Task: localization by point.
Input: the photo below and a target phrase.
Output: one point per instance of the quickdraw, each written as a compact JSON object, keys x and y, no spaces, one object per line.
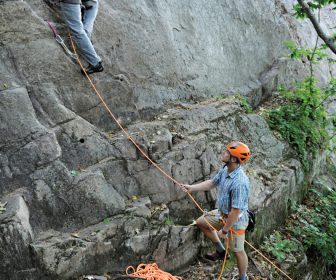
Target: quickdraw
{"x":60,"y":40}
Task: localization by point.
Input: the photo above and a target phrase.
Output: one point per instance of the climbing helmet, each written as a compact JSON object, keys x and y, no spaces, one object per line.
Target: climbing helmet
{"x":239,"y":150}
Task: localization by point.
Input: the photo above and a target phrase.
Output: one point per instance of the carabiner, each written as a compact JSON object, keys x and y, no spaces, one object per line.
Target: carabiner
{"x":59,"y":39}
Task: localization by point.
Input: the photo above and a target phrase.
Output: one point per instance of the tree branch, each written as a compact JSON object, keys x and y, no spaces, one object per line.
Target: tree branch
{"x":328,"y":40}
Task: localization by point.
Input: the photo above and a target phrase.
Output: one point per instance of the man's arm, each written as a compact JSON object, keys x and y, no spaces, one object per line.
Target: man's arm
{"x":232,"y":218}
{"x":204,"y":186}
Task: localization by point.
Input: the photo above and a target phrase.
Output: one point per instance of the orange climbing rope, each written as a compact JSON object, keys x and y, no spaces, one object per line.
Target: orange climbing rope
{"x":124,"y":130}
{"x":150,"y":272}
{"x":164,"y":173}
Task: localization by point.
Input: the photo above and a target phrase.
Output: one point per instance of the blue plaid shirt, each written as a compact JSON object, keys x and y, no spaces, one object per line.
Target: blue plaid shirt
{"x":236,"y":183}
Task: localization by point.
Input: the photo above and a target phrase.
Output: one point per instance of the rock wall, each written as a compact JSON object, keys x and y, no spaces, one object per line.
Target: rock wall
{"x":80,"y":198}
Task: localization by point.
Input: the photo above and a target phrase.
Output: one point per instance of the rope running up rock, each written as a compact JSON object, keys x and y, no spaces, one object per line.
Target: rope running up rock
{"x":164,"y":173}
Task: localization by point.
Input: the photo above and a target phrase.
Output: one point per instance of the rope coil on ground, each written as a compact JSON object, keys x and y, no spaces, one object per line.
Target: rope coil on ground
{"x":150,"y":272}
{"x":128,"y":136}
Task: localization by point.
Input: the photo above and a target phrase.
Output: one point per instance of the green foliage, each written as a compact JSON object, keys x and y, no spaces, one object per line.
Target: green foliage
{"x":315,"y":226}
{"x":313,"y":5}
{"x":299,"y":12}
{"x":245,"y":104}
{"x":302,"y":121}
{"x":311,"y":228}
{"x":279,"y":247}
{"x":168,"y":221}
{"x":314,"y":55}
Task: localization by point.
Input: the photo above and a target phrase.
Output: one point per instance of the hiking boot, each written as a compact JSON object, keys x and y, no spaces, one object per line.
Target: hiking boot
{"x":215,"y":256}
{"x":243,"y":277}
{"x":93,"y":69}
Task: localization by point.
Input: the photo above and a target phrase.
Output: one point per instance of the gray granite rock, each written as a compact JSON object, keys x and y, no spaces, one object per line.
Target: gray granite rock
{"x":70,"y":176}
{"x":16,"y":236}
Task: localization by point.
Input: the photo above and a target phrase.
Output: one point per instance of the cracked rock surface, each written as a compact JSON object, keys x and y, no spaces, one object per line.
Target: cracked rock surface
{"x":76,"y":196}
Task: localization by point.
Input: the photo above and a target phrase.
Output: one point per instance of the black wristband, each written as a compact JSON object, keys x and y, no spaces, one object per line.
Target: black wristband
{"x":224,"y":232}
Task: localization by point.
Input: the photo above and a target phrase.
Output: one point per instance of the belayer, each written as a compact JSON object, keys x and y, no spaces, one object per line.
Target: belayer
{"x":80,"y":22}
{"x":233,"y":191}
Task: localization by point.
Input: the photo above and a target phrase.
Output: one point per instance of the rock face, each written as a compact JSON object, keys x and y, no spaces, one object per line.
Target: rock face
{"x":16,"y":236}
{"x":80,"y":197}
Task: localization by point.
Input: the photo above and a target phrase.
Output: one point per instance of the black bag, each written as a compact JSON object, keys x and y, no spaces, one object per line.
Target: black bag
{"x":252,"y":221}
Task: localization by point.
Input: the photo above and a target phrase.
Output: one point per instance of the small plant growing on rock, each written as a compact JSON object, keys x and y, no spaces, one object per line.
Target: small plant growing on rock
{"x":245,"y":104}
{"x":169,"y":221}
{"x":279,"y":246}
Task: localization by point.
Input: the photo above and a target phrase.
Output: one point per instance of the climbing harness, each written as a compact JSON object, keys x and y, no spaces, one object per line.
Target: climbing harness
{"x":150,"y":272}
{"x":60,"y":40}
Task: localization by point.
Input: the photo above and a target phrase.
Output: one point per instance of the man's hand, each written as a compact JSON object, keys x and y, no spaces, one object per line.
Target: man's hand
{"x":186,"y":188}
{"x":222,"y":234}
{"x":203,"y":186}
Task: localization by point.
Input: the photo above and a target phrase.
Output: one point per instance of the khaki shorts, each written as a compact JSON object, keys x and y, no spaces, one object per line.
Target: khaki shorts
{"x":236,"y":241}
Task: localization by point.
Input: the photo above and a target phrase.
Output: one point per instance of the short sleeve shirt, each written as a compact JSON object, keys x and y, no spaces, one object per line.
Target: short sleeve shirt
{"x":237,"y":184}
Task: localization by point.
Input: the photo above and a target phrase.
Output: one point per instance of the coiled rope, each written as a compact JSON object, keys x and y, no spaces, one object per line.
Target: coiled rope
{"x":150,"y":272}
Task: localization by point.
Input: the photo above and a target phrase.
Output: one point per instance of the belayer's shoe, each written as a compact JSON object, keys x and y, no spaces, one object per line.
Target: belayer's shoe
{"x":93,"y":69}
{"x":243,"y":277}
{"x":215,"y":256}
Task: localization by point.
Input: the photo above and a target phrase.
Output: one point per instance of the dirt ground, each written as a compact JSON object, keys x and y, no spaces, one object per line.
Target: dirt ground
{"x":207,"y":270}
{"x":203,"y":269}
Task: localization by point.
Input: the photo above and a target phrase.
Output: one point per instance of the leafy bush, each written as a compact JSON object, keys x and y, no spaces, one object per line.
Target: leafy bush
{"x":315,"y":226}
{"x":314,"y":55}
{"x":302,"y":121}
{"x":279,"y":247}
{"x":310,"y":229}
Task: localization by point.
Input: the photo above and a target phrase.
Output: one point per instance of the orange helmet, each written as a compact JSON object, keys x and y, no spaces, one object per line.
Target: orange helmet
{"x":239,"y":150}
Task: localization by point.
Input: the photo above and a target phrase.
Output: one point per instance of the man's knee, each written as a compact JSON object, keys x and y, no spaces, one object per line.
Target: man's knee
{"x":239,"y":253}
{"x":200,"y":222}
{"x":79,"y":33}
